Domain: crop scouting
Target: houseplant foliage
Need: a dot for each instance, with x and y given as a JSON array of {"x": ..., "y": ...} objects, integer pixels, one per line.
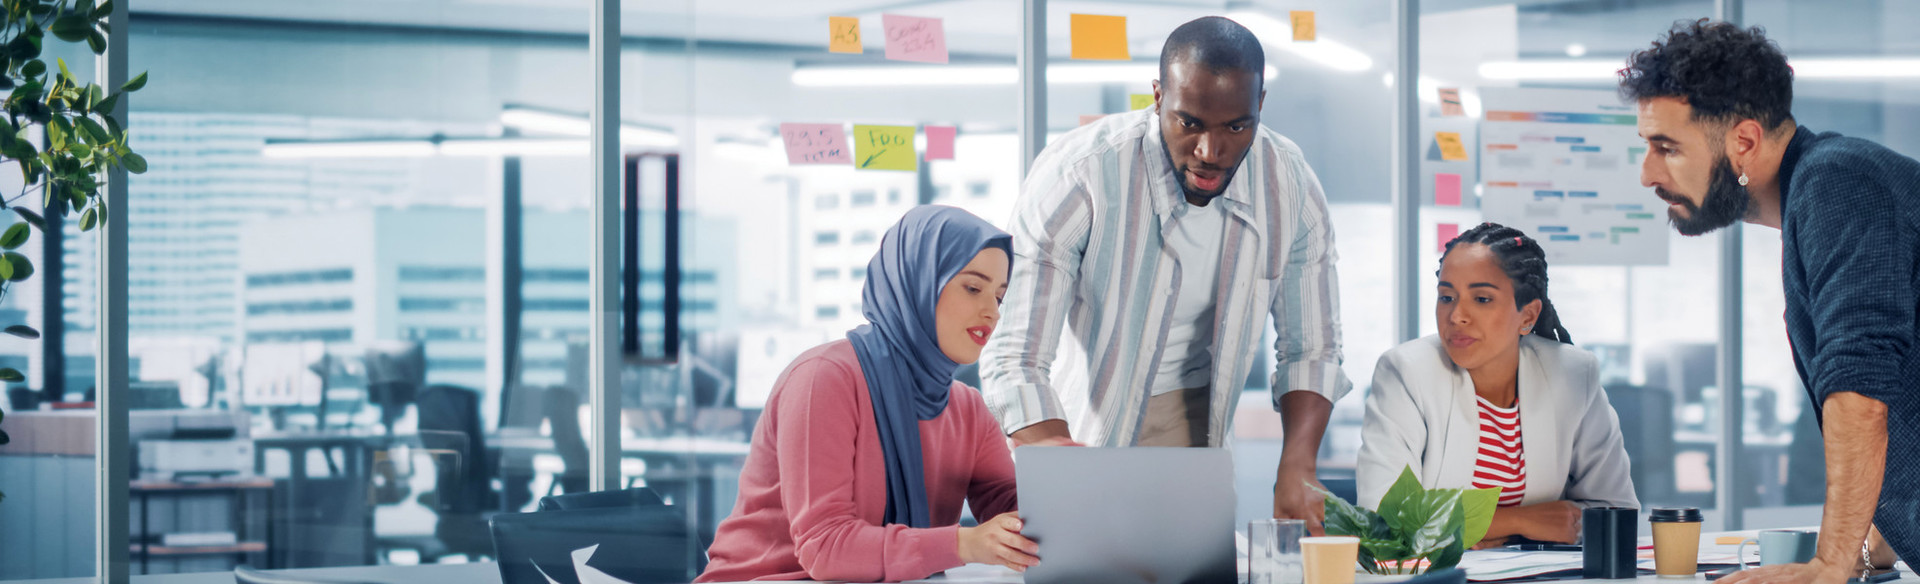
[
  {"x": 61, "y": 132},
  {"x": 1415, "y": 529}
]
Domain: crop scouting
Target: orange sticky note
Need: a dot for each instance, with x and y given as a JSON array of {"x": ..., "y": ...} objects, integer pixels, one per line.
[
  {"x": 1100, "y": 37},
  {"x": 1451, "y": 148},
  {"x": 845, "y": 31},
  {"x": 1302, "y": 25},
  {"x": 1450, "y": 105}
]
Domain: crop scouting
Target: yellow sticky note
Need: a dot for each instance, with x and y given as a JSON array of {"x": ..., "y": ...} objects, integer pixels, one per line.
[
  {"x": 1303, "y": 25},
  {"x": 1451, "y": 148},
  {"x": 1140, "y": 101},
  {"x": 1100, "y": 37},
  {"x": 884, "y": 148},
  {"x": 846, "y": 34}
]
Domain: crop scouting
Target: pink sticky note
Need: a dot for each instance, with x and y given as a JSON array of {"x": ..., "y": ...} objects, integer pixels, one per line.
[
  {"x": 940, "y": 142},
  {"x": 1446, "y": 233},
  {"x": 816, "y": 144},
  {"x": 1446, "y": 189},
  {"x": 914, "y": 38}
]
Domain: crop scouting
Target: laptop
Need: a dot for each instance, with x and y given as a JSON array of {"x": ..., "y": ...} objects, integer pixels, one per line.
[
  {"x": 1128, "y": 515},
  {"x": 639, "y": 545}
]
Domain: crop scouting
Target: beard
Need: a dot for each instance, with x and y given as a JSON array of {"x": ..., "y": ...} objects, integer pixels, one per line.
[{"x": 1726, "y": 203}]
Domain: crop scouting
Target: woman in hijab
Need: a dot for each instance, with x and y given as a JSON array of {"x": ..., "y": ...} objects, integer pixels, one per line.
[{"x": 868, "y": 447}]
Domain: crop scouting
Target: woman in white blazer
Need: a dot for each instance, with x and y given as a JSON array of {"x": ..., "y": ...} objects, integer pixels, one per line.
[{"x": 1446, "y": 405}]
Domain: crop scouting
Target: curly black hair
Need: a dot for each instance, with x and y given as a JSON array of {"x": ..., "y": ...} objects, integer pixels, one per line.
[
  {"x": 1725, "y": 72},
  {"x": 1525, "y": 262}
]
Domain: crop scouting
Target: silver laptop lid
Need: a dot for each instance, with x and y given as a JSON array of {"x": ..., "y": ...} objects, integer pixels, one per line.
[{"x": 1128, "y": 515}]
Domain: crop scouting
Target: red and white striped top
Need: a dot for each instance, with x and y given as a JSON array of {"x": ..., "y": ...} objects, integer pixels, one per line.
[{"x": 1502, "y": 462}]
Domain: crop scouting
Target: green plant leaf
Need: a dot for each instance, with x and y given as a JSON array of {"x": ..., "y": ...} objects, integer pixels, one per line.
[
  {"x": 96, "y": 41},
  {"x": 105, "y": 106},
  {"x": 87, "y": 219},
  {"x": 34, "y": 68},
  {"x": 24, "y": 47},
  {"x": 1447, "y": 557},
  {"x": 1405, "y": 490},
  {"x": 1342, "y": 518},
  {"x": 4, "y": 440},
  {"x": 1440, "y": 519},
  {"x": 72, "y": 28},
  {"x": 11, "y": 374},
  {"x": 1478, "y": 505},
  {"x": 136, "y": 83},
  {"x": 134, "y": 163},
  {"x": 15, "y": 236},
  {"x": 6, "y": 82},
  {"x": 104, "y": 9},
  {"x": 93, "y": 130},
  {"x": 64, "y": 73},
  {"x": 31, "y": 217},
  {"x": 22, "y": 267},
  {"x": 23, "y": 331}
]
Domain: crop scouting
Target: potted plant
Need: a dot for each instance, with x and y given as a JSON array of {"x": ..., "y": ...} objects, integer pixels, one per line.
[
  {"x": 1415, "y": 529},
  {"x": 61, "y": 132}
]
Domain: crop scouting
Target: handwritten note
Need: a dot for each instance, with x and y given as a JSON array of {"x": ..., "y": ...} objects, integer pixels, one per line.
[
  {"x": 1446, "y": 189},
  {"x": 940, "y": 142},
  {"x": 816, "y": 144},
  {"x": 845, "y": 34},
  {"x": 1450, "y": 102},
  {"x": 1302, "y": 25},
  {"x": 1450, "y": 146},
  {"x": 884, "y": 148},
  {"x": 1099, "y": 37},
  {"x": 1444, "y": 233},
  {"x": 1140, "y": 101},
  {"x": 913, "y": 38}
]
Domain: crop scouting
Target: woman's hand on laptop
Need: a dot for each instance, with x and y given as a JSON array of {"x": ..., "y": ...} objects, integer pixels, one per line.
[{"x": 998, "y": 541}]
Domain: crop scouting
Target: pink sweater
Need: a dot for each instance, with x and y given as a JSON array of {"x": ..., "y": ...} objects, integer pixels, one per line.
[{"x": 814, "y": 487}]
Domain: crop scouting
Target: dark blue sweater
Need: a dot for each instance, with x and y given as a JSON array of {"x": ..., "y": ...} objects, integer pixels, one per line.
[{"x": 1850, "y": 235}]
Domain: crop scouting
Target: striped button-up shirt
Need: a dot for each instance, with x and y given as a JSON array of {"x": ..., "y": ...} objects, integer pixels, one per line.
[{"x": 1090, "y": 254}]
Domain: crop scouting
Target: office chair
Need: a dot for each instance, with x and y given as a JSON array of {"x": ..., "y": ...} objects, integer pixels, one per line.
[
  {"x": 395, "y": 372},
  {"x": 449, "y": 419},
  {"x": 641, "y": 541},
  {"x": 246, "y": 575},
  {"x": 635, "y": 497},
  {"x": 1646, "y": 425}
]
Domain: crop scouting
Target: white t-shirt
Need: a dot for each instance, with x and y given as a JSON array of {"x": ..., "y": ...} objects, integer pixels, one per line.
[{"x": 1196, "y": 238}]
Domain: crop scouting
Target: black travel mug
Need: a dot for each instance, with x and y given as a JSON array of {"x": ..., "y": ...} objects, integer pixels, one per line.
[{"x": 1609, "y": 536}]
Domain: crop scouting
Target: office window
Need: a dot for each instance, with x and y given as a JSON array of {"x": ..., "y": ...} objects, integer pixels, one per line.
[
  {"x": 893, "y": 196},
  {"x": 980, "y": 190},
  {"x": 826, "y": 238},
  {"x": 863, "y": 237},
  {"x": 826, "y": 312},
  {"x": 862, "y": 198},
  {"x": 827, "y": 201},
  {"x": 826, "y": 274}
]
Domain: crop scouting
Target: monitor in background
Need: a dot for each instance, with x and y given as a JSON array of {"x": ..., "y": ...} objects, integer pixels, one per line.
[{"x": 281, "y": 374}]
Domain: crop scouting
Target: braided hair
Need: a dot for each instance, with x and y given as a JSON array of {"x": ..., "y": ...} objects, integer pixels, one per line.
[{"x": 1524, "y": 262}]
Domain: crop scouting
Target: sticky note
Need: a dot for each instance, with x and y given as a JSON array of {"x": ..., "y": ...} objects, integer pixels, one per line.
[
  {"x": 884, "y": 148},
  {"x": 940, "y": 142},
  {"x": 1302, "y": 25},
  {"x": 816, "y": 144},
  {"x": 1140, "y": 101},
  {"x": 1090, "y": 118},
  {"x": 1444, "y": 233},
  {"x": 1099, "y": 37},
  {"x": 845, "y": 34},
  {"x": 914, "y": 38},
  {"x": 1446, "y": 189},
  {"x": 1450, "y": 146},
  {"x": 1450, "y": 102}
]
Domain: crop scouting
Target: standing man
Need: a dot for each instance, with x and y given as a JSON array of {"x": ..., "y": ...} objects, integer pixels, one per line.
[
  {"x": 1714, "y": 106},
  {"x": 1163, "y": 238}
]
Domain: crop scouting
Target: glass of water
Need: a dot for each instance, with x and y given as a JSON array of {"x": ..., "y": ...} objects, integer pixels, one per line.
[{"x": 1273, "y": 551}]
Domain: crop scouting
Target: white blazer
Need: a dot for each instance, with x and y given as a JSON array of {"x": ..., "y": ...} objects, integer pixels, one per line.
[{"x": 1422, "y": 412}]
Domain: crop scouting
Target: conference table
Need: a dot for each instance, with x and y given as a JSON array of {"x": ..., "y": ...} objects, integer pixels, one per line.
[{"x": 488, "y": 573}]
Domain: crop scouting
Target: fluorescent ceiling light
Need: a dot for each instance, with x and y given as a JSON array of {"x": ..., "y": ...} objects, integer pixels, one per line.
[
  {"x": 387, "y": 148},
  {"x": 1608, "y": 69},
  {"x": 541, "y": 121},
  {"x": 1324, "y": 51},
  {"x": 975, "y": 75}
]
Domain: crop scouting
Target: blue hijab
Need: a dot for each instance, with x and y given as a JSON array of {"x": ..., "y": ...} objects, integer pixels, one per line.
[{"x": 908, "y": 376}]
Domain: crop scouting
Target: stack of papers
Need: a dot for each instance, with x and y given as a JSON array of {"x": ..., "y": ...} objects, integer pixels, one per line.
[{"x": 1496, "y": 565}]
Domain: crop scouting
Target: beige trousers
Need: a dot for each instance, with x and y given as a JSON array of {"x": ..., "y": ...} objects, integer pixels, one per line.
[{"x": 1177, "y": 419}]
